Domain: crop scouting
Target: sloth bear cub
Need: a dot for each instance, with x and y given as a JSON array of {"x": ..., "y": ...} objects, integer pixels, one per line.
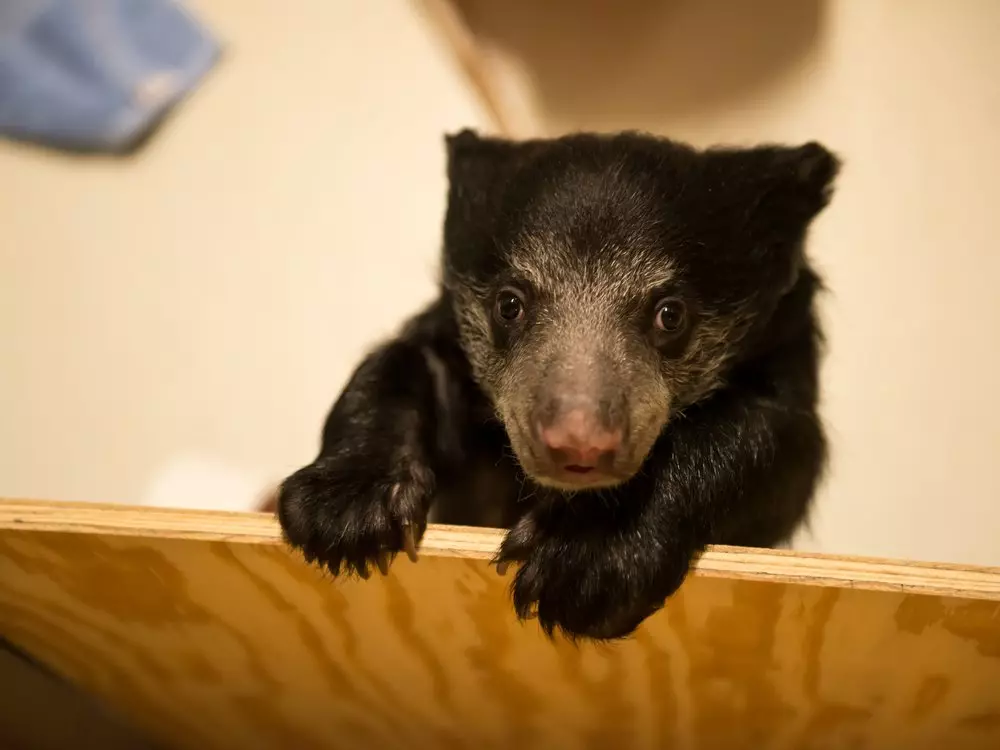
[{"x": 620, "y": 369}]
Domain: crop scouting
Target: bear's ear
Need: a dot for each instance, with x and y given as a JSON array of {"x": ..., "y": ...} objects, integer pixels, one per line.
[
  {"x": 797, "y": 187},
  {"x": 801, "y": 180},
  {"x": 754, "y": 206},
  {"x": 478, "y": 170},
  {"x": 476, "y": 164},
  {"x": 779, "y": 186}
]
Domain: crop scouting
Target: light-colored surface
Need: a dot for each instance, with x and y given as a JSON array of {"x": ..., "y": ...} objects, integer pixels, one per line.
[
  {"x": 39, "y": 711},
  {"x": 441, "y": 540},
  {"x": 173, "y": 329},
  {"x": 214, "y": 641}
]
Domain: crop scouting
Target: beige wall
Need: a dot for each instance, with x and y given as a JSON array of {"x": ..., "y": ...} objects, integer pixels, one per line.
[{"x": 174, "y": 328}]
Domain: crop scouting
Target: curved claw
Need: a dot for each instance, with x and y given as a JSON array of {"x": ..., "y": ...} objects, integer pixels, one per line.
[
  {"x": 409, "y": 543},
  {"x": 382, "y": 561}
]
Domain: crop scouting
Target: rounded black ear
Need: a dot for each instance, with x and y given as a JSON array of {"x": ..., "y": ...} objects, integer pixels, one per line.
[
  {"x": 478, "y": 170},
  {"x": 777, "y": 183},
  {"x": 796, "y": 186},
  {"x": 807, "y": 173},
  {"x": 816, "y": 165},
  {"x": 476, "y": 162},
  {"x": 755, "y": 205},
  {"x": 769, "y": 192},
  {"x": 463, "y": 139}
]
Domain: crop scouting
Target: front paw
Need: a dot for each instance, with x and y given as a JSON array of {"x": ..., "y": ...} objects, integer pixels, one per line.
[
  {"x": 348, "y": 517},
  {"x": 599, "y": 586}
]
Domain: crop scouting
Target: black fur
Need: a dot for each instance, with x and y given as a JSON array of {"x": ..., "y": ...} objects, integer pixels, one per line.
[{"x": 418, "y": 422}]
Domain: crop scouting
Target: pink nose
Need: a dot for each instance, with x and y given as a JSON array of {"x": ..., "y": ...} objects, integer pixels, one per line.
[{"x": 577, "y": 439}]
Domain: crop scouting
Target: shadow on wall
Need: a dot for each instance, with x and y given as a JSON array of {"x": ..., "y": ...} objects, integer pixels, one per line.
[{"x": 609, "y": 65}]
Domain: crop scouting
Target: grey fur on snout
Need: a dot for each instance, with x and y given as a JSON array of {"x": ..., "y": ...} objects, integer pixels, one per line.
[{"x": 581, "y": 358}]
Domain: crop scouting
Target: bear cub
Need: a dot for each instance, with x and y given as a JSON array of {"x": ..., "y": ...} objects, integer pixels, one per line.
[{"x": 621, "y": 368}]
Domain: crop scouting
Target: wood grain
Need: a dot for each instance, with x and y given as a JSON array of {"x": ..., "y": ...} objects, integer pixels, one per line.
[
  {"x": 39, "y": 711},
  {"x": 210, "y": 634}
]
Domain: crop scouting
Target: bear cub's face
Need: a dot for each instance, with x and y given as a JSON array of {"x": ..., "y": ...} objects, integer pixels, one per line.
[{"x": 604, "y": 283}]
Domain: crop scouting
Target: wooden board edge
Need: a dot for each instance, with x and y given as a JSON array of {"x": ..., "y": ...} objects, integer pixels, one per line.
[{"x": 783, "y": 566}]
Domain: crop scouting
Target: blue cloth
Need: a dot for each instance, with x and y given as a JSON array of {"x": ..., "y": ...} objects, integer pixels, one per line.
[{"x": 96, "y": 75}]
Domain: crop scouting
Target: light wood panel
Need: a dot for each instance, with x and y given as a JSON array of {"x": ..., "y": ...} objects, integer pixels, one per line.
[
  {"x": 39, "y": 711},
  {"x": 211, "y": 634}
]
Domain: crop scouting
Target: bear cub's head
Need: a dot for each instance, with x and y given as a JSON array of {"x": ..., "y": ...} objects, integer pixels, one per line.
[{"x": 603, "y": 283}]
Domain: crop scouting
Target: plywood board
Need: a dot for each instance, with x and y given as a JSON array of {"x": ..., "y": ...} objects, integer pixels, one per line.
[
  {"x": 209, "y": 633},
  {"x": 40, "y": 711}
]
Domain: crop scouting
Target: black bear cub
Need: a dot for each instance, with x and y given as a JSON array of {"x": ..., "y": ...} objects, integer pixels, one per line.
[{"x": 621, "y": 368}]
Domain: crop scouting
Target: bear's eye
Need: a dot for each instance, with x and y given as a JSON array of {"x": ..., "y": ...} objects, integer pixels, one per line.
[
  {"x": 671, "y": 315},
  {"x": 509, "y": 306}
]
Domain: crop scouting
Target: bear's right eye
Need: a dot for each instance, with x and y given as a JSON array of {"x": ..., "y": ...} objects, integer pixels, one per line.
[
  {"x": 671, "y": 316},
  {"x": 509, "y": 306}
]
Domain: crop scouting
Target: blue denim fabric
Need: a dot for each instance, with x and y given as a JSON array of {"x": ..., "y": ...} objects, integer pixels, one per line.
[{"x": 96, "y": 74}]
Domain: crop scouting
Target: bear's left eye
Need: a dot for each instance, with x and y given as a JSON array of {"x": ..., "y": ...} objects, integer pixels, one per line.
[
  {"x": 509, "y": 306},
  {"x": 671, "y": 315}
]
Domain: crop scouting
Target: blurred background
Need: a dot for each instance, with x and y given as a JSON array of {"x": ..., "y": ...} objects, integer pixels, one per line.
[{"x": 175, "y": 323}]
